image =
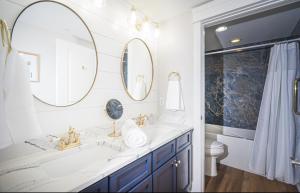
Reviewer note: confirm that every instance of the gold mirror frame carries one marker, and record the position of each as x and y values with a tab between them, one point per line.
92	37
122	72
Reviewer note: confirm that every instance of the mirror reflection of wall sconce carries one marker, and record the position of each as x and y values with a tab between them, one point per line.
174	100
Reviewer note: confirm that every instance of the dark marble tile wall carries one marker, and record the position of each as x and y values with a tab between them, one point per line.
234	87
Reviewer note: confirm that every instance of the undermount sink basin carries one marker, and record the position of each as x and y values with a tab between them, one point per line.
157	132
78	161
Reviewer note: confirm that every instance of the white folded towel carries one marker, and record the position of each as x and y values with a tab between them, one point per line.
133	136
174	100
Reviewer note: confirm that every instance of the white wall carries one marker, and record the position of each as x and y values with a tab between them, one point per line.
175	53
111	32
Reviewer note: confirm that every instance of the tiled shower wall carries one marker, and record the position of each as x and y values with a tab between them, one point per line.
234	87
109	26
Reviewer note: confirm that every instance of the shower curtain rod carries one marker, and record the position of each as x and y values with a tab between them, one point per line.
251	47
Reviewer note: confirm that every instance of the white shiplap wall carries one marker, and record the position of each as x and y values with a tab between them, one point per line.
111	31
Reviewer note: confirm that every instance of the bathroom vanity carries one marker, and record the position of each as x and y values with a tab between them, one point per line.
167	169
163	165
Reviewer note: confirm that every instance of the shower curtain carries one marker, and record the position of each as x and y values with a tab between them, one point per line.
276	138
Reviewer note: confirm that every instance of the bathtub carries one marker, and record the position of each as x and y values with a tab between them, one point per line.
238	145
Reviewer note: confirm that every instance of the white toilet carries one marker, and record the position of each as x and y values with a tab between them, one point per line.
213	150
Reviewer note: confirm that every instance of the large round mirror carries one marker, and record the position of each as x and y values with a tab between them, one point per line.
137	69
59	50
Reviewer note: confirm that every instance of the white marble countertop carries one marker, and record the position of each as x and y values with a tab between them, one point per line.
25	168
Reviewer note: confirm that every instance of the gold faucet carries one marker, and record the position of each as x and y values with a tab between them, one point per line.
71	141
140	120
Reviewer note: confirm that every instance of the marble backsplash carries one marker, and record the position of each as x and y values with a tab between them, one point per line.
234	87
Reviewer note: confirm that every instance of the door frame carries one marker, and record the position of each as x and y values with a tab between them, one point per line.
212	13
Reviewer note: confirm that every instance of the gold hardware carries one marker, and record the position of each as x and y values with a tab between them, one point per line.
5	37
140	120
114	134
71	141
295	101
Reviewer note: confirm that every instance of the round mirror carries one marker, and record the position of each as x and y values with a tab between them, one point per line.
137	69
59	50
114	109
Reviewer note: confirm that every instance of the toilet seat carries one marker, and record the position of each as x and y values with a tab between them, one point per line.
213	144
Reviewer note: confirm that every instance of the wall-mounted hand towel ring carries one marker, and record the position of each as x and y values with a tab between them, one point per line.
174	76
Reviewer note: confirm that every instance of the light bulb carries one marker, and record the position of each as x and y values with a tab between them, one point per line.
146	26
235	41
133	17
221	29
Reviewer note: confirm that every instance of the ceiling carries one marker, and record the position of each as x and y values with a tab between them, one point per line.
274	25
162	10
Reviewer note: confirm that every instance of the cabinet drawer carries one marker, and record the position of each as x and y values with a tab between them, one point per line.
128	177
183	141
145	186
101	186
163	154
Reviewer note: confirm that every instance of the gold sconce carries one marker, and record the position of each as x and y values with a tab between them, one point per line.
143	25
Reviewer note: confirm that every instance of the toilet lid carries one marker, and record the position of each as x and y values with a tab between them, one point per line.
211	143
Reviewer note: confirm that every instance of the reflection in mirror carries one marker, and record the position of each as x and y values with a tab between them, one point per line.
59	50
137	69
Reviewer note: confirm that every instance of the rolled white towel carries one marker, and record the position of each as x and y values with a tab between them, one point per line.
133	136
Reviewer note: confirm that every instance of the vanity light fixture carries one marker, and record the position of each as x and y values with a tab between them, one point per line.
235	41
145	25
221	28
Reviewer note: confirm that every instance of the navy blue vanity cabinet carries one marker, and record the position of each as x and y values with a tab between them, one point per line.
127	178
145	186
164	179
183	141
174	175
101	186
163	154
167	169
184	169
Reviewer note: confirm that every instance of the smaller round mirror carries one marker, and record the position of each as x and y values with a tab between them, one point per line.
137	69
114	109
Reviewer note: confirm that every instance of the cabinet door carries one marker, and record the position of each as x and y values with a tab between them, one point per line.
101	186
164	179
184	170
145	186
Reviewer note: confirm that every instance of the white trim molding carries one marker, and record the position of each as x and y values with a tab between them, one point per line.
212	13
